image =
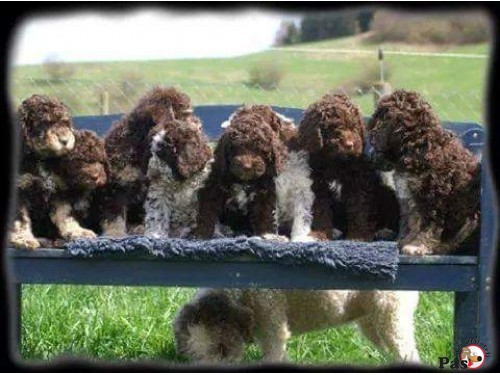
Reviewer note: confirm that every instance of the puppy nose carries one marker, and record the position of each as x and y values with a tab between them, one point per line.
349	144
246	164
64	141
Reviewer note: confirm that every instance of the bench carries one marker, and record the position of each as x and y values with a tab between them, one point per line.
469	277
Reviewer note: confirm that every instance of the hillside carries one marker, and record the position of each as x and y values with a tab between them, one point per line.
453	85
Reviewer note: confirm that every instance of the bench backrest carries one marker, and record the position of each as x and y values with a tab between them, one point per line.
212	116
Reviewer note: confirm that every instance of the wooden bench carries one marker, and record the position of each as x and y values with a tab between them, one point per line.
469	277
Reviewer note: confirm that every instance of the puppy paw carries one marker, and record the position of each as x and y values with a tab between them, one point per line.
275	237
415	249
336	234
75	233
304	238
25	242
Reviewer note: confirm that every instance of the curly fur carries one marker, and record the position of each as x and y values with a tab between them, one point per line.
216	324
128	147
178	167
46	127
349	194
438	179
56	194
279	123
246	188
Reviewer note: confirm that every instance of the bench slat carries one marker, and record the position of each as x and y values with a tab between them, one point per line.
56	267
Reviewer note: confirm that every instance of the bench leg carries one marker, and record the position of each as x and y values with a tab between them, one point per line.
466	318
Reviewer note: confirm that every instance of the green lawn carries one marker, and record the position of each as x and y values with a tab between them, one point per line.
135	323
454	86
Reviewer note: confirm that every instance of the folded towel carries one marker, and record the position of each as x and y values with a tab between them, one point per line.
372	260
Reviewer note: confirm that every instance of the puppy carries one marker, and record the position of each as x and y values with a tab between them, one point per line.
59	201
216	324
349	193
47	133
252	186
177	169
437	180
129	151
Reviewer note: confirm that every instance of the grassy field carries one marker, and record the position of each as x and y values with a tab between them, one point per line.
135	323
453	85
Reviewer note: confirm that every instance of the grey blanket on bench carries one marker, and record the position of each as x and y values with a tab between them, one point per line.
374	260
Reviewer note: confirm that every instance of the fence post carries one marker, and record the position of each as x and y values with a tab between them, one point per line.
104	102
380	89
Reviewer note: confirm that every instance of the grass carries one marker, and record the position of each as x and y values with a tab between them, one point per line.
135	323
132	323
454	86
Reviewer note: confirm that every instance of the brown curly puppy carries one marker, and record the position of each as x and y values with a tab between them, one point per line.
437	178
57	197
240	189
348	191
128	148
47	133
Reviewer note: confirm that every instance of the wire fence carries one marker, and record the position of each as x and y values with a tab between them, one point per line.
444	79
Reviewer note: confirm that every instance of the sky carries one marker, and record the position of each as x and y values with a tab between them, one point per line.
144	35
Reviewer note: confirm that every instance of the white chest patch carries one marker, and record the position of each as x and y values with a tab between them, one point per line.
294	195
388	179
240	197
171	205
401	186
336	188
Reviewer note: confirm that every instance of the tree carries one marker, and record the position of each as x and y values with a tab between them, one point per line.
288	33
365	20
317	26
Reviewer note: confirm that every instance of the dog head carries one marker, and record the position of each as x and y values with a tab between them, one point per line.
249	149
213	329
182	145
401	120
46	126
161	104
282	125
86	166
332	127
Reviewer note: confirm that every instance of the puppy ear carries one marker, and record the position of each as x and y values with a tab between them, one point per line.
220	162
310	136
193	157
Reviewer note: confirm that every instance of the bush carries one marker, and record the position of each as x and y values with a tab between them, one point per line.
267	75
389	26
58	70
368	79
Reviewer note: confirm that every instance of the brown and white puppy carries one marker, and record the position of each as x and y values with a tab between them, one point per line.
250	186
178	166
59	199
349	193
437	179
129	150
216	324
47	133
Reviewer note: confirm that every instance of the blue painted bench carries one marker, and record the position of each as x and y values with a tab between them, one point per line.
469	277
